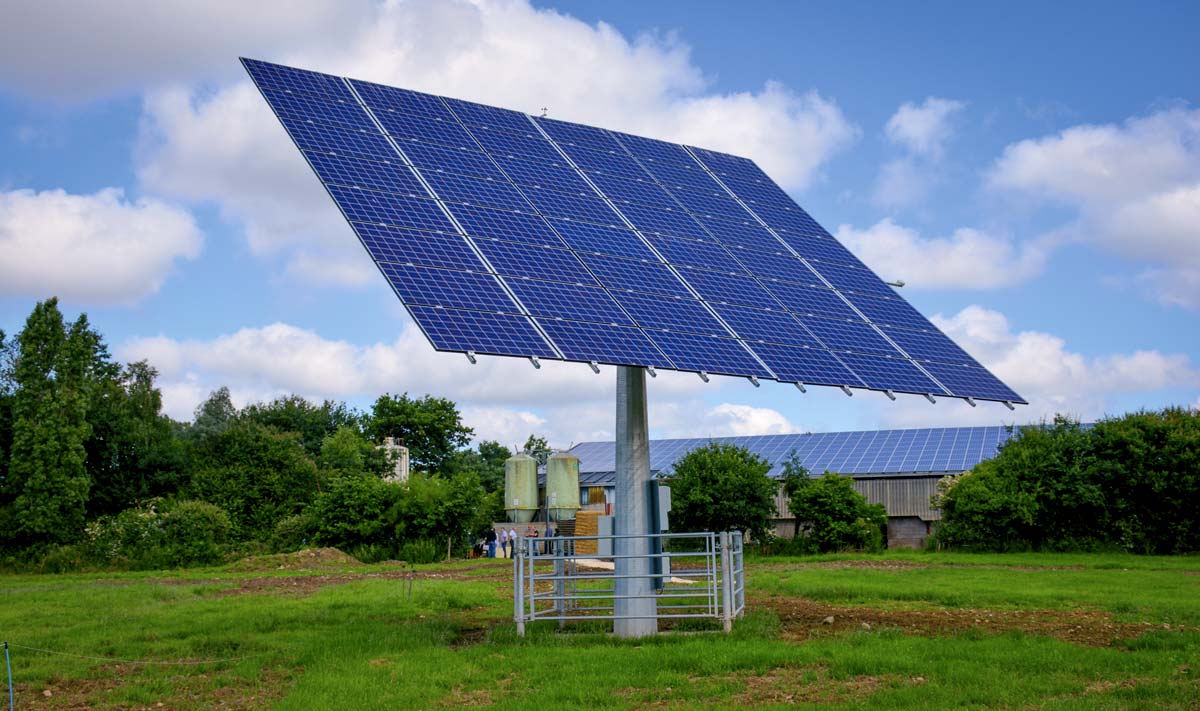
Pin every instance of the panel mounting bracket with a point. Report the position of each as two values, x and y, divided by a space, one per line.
754 381
800 387
471 357
703 376
970 401
651 371
929 397
846 390
536 363
1009 405
891 395
594 366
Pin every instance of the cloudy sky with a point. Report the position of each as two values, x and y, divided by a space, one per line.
1031 170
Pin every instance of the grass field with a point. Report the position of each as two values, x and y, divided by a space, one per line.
928 631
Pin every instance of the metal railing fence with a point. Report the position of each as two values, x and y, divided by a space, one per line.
695 575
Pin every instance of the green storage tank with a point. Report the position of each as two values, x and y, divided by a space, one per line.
521 488
562 486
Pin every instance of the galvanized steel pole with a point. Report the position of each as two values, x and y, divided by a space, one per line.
634 595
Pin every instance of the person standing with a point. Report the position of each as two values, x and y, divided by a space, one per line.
503 542
491 542
512 540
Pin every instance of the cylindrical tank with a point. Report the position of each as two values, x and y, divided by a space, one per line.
520 488
562 486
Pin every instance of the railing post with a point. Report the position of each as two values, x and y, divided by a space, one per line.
519 588
726 583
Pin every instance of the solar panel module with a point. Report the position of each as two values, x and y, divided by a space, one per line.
509 234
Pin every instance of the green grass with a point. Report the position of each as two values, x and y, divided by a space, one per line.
364 644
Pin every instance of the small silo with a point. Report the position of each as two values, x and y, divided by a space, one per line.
562 486
521 488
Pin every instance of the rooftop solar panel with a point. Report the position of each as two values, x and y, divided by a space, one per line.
513 235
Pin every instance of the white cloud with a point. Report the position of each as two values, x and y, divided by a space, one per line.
1136 187
923 129
227 148
75 51
96 249
967 259
1041 368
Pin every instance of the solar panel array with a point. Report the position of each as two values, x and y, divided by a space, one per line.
508 234
870 453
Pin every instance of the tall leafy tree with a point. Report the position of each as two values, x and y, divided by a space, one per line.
431 428
486 462
293 413
46 489
722 487
213 416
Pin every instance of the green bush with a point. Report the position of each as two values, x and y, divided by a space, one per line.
834 516
372 553
422 551
293 533
722 487
160 534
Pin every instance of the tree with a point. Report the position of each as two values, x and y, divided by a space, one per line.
836 517
538 448
46 488
486 461
430 427
346 452
722 487
213 416
795 478
7 395
254 473
312 422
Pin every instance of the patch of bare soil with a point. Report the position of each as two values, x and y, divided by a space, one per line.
308 559
781 685
803 619
189 691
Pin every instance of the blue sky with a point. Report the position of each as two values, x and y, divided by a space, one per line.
1032 171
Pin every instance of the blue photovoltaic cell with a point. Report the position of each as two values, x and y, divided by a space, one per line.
689 351
603 343
427 249
889 373
501 224
890 312
805 365
617 273
763 325
971 382
389 98
604 163
342 141
391 209
589 237
289 79
577 303
408 127
556 176
695 250
651 149
577 134
811 300
521 145
857 336
483 333
650 219
477 191
323 109
553 203
354 173
625 189
692 253
428 157
490 116
846 278
422 286
741 234
929 346
527 260
710 205
728 288
669 313
784 267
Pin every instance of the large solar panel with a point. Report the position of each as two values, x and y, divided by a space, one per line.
868 453
514 235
